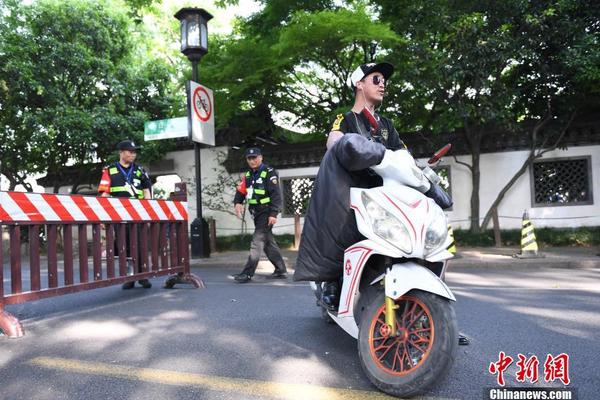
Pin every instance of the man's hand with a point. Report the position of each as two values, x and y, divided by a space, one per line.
239 207
272 221
333 137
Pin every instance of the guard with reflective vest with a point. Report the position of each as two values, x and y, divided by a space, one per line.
124 178
259 187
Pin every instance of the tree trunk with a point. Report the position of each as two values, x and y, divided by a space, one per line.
533 155
473 138
505 190
475 182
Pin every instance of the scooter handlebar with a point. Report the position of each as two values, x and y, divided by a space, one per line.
439 154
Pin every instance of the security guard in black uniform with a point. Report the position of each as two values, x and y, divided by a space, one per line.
124 178
260 188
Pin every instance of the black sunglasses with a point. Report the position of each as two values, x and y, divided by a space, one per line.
378 79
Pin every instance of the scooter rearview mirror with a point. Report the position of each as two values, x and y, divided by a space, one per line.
440 153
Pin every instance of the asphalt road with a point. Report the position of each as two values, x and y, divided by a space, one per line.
266 339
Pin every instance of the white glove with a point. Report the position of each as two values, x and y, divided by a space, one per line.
399 167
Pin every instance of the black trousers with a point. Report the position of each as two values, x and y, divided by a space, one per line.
263 239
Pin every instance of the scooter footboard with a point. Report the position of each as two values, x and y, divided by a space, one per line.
402 278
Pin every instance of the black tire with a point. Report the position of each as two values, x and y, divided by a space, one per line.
423 363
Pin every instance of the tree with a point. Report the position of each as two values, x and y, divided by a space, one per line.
320 51
73 87
475 67
290 61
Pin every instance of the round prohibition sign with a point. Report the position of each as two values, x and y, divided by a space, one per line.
201 103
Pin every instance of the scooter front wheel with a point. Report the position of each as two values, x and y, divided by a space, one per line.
422 352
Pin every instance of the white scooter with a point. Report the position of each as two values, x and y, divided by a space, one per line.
393 298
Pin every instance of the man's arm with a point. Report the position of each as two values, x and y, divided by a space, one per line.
333 137
394 141
274 192
146 184
104 186
239 197
337 130
355 152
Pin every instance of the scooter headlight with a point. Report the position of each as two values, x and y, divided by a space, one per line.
437 231
386 226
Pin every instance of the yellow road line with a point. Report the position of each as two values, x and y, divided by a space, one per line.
291 391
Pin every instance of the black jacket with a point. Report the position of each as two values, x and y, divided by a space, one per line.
330 225
265 184
352 122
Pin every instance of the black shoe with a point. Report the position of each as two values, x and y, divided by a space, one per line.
127 285
242 278
331 295
145 283
463 340
277 275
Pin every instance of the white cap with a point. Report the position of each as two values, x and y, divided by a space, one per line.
359 73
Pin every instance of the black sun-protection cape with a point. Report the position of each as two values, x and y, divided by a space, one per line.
330 225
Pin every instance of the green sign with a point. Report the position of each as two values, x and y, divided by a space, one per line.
166 128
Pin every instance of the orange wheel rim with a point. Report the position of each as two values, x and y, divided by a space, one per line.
402 354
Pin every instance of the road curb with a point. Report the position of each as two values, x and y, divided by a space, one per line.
488 260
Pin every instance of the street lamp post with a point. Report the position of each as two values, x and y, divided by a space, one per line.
194 45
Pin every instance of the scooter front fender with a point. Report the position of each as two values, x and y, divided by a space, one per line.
402 278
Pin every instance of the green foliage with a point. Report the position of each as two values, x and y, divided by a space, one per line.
242 242
319 51
545 237
471 67
291 60
71 87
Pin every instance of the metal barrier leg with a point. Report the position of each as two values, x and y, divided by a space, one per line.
9 325
183 257
184 278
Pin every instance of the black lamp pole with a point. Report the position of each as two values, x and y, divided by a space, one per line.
197 239
194 44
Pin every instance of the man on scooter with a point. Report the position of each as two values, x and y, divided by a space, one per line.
358 140
360 144
368 83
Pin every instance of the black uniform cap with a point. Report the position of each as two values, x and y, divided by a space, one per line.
253 152
127 145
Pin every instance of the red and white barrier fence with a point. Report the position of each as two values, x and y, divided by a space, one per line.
41 207
153 232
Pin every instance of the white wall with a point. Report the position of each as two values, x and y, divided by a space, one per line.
497 169
227 224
